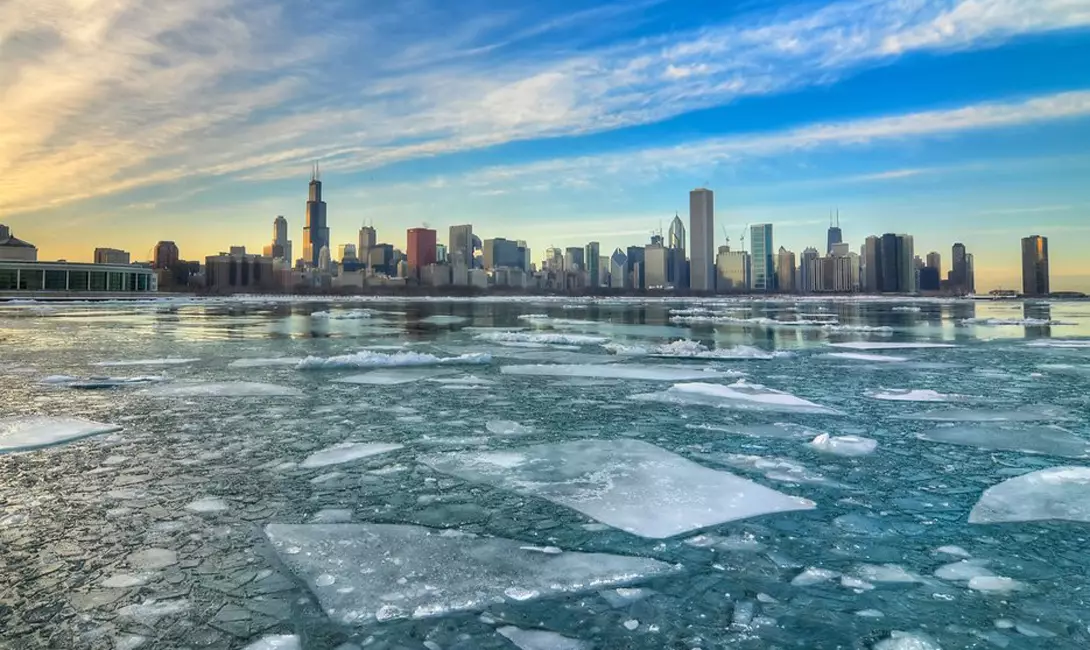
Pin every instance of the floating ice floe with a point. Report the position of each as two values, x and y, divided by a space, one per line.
995 584
222 389
905 308
813 576
507 428
346 452
540 337
353 314
540 639
844 445
619 371
153 559
1056 493
276 642
272 362
395 376
465 380
628 484
332 516
146 362
150 611
888 345
1028 413
890 573
963 570
24 433
95 383
444 319
1045 440
910 395
899 640
776 430
774 469
739 395
386 571
369 359
207 505
686 349
859 356
1019 322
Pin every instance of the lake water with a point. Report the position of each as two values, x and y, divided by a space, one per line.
545 474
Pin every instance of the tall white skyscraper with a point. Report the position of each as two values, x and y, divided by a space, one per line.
702 242
760 246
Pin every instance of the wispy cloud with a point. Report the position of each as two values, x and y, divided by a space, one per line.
103 96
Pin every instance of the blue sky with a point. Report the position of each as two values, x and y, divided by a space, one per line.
130 121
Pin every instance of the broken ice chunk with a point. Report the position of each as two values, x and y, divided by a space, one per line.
540 639
813 576
910 395
37 431
222 389
369 359
346 452
1047 440
628 484
332 516
276 642
907 641
775 430
1056 493
850 446
152 559
400 570
885 573
995 584
962 571
632 371
541 337
1028 413
739 395
207 504
506 428
859 356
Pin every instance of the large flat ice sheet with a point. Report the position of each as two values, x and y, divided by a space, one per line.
739 395
1048 440
1047 494
619 371
362 573
35 432
628 484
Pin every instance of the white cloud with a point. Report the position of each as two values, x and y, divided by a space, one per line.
103 96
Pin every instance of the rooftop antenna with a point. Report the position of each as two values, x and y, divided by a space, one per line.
838 216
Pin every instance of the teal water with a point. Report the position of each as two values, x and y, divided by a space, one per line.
154 536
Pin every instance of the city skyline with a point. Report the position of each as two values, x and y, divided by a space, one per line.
945 119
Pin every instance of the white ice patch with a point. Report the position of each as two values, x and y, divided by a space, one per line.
276 642
813 576
353 314
786 430
394 376
1018 322
332 516
386 571
1073 344
150 611
153 559
207 505
774 469
547 338
540 639
507 428
910 395
222 389
886 345
628 484
1056 493
37 431
739 395
886 573
955 551
346 452
124 581
444 319
272 362
1028 413
92 383
369 359
849 446
619 371
859 356
995 584
146 362
906 308
1045 440
686 349
907 641
465 380
962 571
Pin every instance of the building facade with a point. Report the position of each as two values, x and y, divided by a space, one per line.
732 270
15 249
592 255
785 270
460 249
67 279
763 276
280 247
702 246
166 255
421 248
1035 281
316 230
111 256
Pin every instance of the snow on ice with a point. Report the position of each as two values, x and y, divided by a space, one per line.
1045 440
222 389
739 395
388 571
687 349
1056 493
850 446
346 452
369 359
628 484
619 371
1019 322
37 431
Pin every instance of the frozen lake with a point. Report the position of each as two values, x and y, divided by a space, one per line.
545 474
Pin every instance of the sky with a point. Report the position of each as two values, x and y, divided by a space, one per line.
125 122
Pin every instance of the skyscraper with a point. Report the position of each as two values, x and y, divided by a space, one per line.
573 259
785 270
732 270
835 235
460 251
591 256
346 252
702 231
325 263
111 256
316 230
808 270
934 260
166 255
676 235
890 265
620 276
872 264
501 253
959 269
421 248
1035 266
906 264
280 247
763 277
368 240
636 266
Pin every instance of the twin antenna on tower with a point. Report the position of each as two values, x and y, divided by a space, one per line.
316 173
